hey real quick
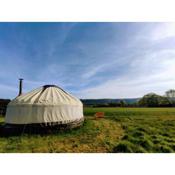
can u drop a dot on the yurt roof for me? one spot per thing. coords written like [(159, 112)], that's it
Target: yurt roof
[(46, 95)]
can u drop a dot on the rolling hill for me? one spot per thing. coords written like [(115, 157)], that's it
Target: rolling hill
[(105, 101)]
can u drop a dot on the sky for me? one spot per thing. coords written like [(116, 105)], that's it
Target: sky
[(89, 60)]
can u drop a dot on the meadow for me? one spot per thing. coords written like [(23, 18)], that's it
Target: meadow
[(122, 130)]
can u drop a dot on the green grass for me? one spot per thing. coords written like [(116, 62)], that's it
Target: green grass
[(145, 130), (94, 136)]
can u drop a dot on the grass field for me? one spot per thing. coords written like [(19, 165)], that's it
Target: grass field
[(122, 130)]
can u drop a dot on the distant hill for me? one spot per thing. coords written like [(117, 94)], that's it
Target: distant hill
[(105, 101)]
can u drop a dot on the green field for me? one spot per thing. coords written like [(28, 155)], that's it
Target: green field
[(135, 130)]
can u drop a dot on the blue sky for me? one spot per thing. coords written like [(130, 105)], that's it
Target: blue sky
[(89, 60)]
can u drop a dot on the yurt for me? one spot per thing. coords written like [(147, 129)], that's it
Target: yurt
[(45, 106)]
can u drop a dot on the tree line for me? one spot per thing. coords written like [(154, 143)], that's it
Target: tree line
[(154, 100), (148, 100)]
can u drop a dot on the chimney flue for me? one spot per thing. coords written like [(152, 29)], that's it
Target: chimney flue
[(20, 86)]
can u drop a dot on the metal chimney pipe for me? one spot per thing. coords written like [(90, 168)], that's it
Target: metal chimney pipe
[(20, 86)]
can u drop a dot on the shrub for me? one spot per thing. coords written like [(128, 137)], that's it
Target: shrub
[(154, 100)]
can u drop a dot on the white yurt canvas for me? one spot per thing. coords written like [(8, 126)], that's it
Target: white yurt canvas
[(49, 105)]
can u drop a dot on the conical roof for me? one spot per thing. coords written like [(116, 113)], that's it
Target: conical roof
[(46, 95)]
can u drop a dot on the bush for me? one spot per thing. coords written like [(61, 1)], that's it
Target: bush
[(154, 100)]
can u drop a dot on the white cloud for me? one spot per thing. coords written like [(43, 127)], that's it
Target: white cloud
[(154, 73), (163, 30), (93, 71)]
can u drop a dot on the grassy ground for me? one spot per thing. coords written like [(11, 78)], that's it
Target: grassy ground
[(122, 130), (94, 136)]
